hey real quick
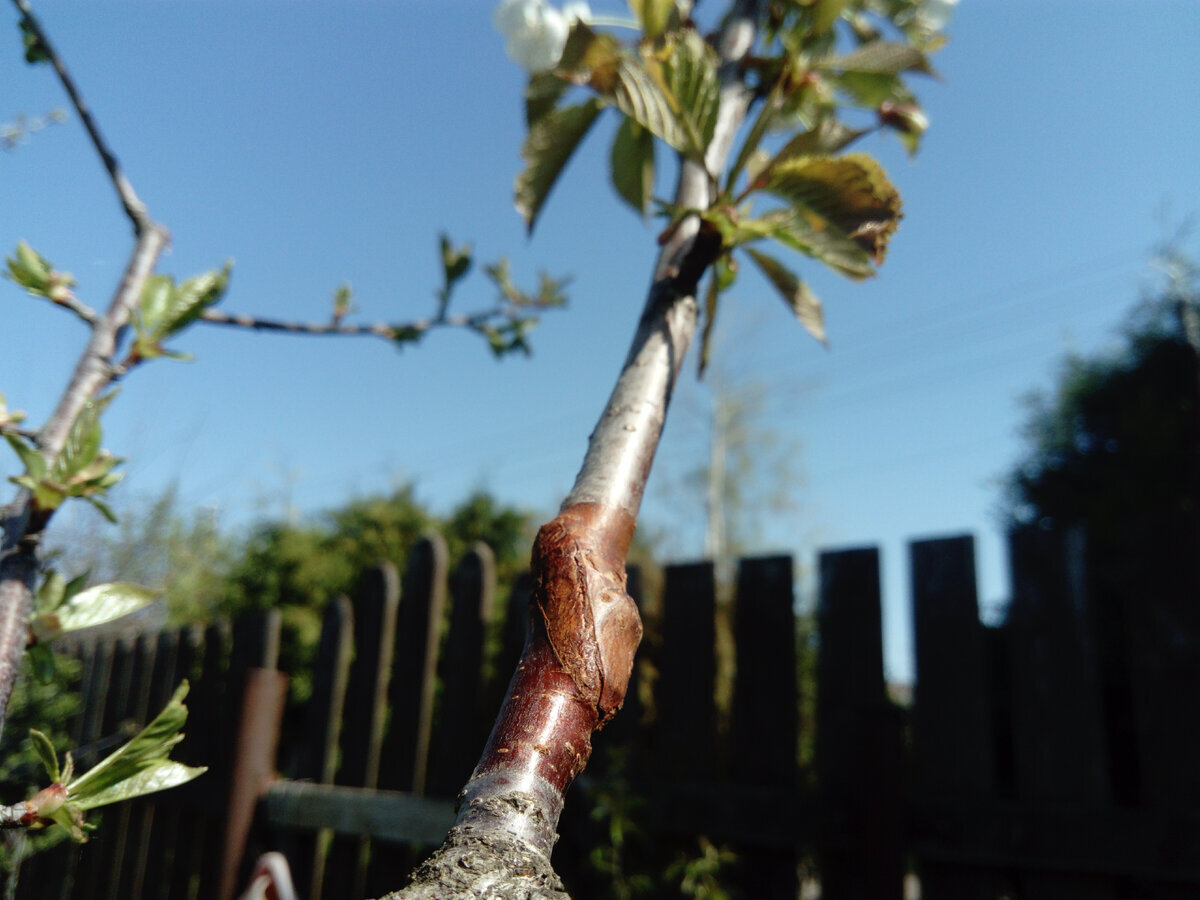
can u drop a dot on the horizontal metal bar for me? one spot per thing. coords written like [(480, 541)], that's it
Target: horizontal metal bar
[(384, 815)]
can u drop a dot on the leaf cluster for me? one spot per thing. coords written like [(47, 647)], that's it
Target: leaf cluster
[(823, 74), (37, 275), (61, 606), (140, 766), (166, 308), (81, 469)]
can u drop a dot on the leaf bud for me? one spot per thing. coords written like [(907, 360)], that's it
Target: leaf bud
[(906, 118)]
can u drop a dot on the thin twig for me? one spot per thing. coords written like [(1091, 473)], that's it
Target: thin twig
[(387, 331), (69, 301), (134, 208)]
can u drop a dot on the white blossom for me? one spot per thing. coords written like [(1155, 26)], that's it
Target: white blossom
[(535, 32), (935, 14)]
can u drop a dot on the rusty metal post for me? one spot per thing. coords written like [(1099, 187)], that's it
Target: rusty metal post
[(253, 766)]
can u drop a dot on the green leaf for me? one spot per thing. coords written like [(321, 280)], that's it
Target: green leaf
[(140, 766), (103, 603), (870, 89), (653, 15), (880, 57), (639, 96), (551, 291), (690, 70), (44, 748), (75, 585), (762, 123), (542, 94), (710, 317), (160, 777), (546, 151), (188, 301), (154, 303), (35, 273), (633, 165), (70, 817), (35, 50), (825, 13), (51, 594), (83, 440), (811, 235), (31, 261), (9, 417), (802, 301), (455, 263), (589, 57), (31, 458), (407, 334), (343, 301), (41, 659), (104, 509), (836, 202), (825, 138)]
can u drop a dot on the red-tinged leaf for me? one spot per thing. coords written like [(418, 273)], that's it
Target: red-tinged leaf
[(839, 198)]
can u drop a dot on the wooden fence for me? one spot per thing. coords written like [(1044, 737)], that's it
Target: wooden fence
[(1057, 756)]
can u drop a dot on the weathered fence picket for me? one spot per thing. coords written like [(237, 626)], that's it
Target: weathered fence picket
[(1031, 767)]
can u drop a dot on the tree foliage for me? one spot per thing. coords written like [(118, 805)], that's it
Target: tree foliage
[(1115, 441)]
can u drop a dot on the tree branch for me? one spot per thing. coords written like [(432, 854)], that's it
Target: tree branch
[(389, 331), (584, 627), (24, 521), (134, 208)]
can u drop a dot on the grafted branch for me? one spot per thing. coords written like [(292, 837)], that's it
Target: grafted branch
[(585, 628)]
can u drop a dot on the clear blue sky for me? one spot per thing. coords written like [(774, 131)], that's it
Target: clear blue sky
[(322, 142)]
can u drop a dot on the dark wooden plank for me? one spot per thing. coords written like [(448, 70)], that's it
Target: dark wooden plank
[(411, 694), (96, 864), (512, 640), (413, 683), (626, 727), (375, 610), (161, 834), (952, 730), (763, 732), (1058, 735), (1161, 616), (461, 728), (686, 730), (121, 817), (307, 851), (858, 735), (202, 746)]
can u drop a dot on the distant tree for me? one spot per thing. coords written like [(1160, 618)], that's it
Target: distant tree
[(183, 555), (1115, 442), (298, 568)]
